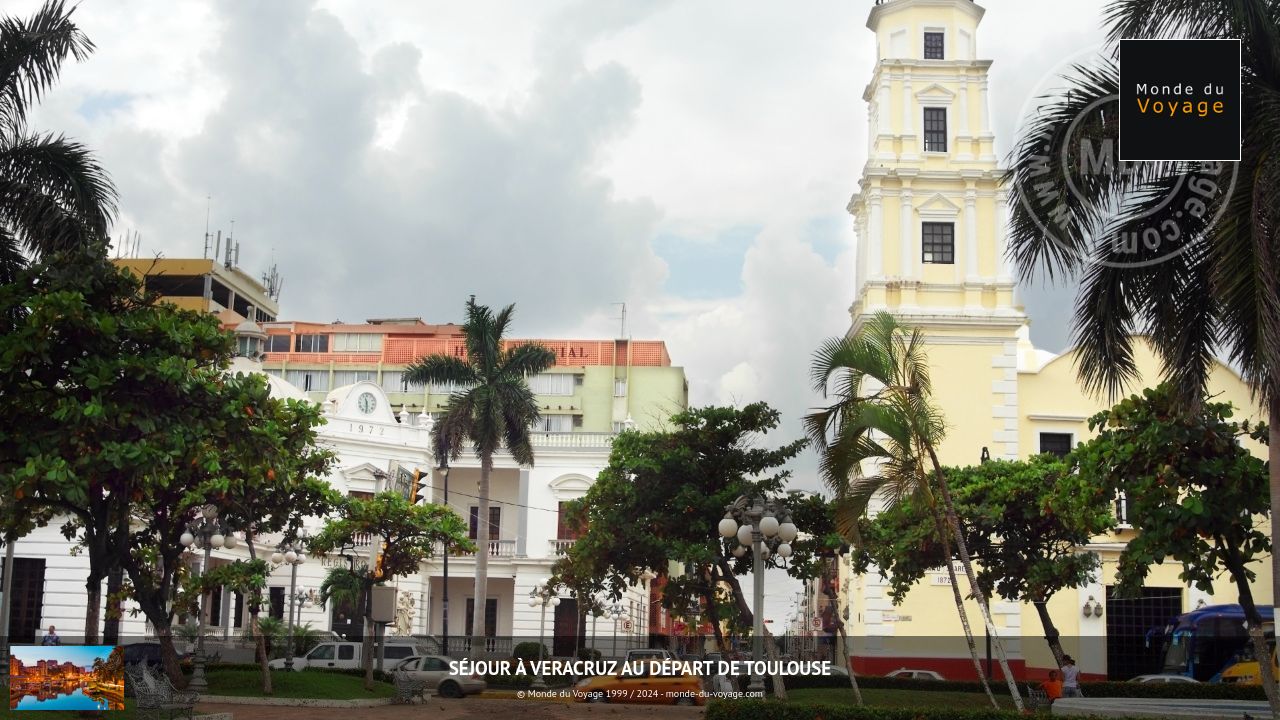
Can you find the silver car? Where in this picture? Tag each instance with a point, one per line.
(434, 669)
(1164, 678)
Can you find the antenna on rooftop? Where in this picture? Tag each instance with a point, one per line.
(208, 201)
(272, 281)
(622, 331)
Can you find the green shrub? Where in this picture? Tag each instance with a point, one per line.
(378, 676)
(528, 651)
(768, 710)
(588, 654)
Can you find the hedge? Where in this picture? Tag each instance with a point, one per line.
(768, 710)
(378, 676)
(1181, 691)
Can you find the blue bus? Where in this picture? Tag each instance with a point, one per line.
(1202, 643)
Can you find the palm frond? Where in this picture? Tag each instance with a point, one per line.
(56, 174)
(440, 369)
(32, 51)
(526, 359)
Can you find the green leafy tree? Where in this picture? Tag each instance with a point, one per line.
(492, 407)
(661, 497)
(271, 479)
(1195, 491)
(407, 536)
(1212, 283)
(96, 376)
(53, 194)
(1024, 523)
(248, 454)
(884, 417)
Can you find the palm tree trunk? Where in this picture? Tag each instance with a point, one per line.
(844, 652)
(366, 646)
(954, 521)
(482, 559)
(964, 614)
(1273, 464)
(945, 538)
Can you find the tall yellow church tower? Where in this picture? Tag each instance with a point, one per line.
(929, 217)
(930, 221)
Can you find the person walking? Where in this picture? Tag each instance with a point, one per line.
(1070, 677)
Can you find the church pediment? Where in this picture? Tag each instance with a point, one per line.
(938, 203)
(935, 94)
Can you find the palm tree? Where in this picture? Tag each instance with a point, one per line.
(883, 416)
(491, 406)
(53, 194)
(344, 587)
(1215, 287)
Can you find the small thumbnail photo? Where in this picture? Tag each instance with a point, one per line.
(66, 677)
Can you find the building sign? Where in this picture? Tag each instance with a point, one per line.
(403, 483)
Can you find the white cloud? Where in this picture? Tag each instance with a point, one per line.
(394, 157)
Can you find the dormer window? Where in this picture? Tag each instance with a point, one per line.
(933, 46)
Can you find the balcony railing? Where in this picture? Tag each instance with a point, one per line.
(560, 546)
(572, 440)
(497, 548)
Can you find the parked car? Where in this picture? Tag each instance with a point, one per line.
(1164, 678)
(649, 654)
(149, 653)
(346, 655)
(652, 684)
(909, 674)
(434, 669)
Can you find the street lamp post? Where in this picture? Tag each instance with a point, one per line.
(444, 599)
(543, 594)
(293, 555)
(207, 533)
(765, 527)
(616, 612)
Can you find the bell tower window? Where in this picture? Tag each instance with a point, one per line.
(939, 243)
(933, 46)
(935, 129)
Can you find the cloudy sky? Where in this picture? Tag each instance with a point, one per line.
(692, 159)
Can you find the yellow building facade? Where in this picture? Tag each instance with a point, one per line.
(929, 216)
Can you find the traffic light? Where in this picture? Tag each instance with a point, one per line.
(421, 490)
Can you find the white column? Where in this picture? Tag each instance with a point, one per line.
(907, 234)
(884, 117)
(986, 115)
(908, 109)
(875, 238)
(971, 236)
(1002, 237)
(962, 122)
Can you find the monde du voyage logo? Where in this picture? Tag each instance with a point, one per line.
(1179, 100)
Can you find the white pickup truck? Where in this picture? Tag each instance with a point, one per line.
(346, 655)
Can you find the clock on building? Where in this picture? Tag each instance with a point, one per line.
(366, 402)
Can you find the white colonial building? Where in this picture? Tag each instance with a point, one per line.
(380, 447)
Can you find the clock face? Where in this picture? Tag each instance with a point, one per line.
(366, 402)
